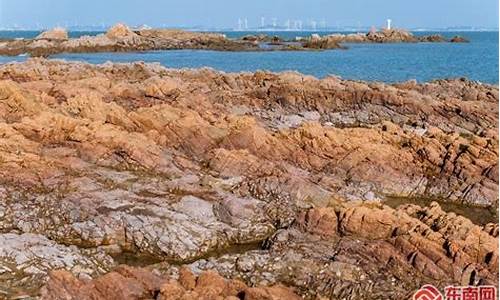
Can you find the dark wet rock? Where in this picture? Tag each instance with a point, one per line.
(26, 259)
(317, 42)
(435, 38)
(459, 39)
(262, 38)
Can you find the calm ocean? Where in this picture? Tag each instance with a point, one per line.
(477, 60)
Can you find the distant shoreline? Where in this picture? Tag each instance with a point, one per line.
(262, 30)
(237, 31)
(122, 38)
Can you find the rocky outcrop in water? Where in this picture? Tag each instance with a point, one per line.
(318, 42)
(120, 38)
(55, 34)
(333, 41)
(459, 39)
(267, 178)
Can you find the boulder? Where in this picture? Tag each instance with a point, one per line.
(120, 31)
(434, 38)
(459, 39)
(56, 34)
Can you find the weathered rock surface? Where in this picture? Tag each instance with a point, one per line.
(54, 34)
(26, 259)
(135, 283)
(268, 178)
(120, 31)
(358, 251)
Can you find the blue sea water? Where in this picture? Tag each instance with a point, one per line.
(477, 60)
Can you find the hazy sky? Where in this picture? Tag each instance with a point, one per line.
(225, 13)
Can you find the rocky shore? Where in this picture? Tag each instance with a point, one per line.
(121, 38)
(240, 186)
(381, 36)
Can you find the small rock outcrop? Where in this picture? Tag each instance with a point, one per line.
(435, 38)
(391, 36)
(120, 31)
(333, 41)
(459, 39)
(318, 42)
(56, 34)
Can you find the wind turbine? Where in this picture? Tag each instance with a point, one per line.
(313, 24)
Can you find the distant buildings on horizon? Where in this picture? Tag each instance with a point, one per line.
(243, 25)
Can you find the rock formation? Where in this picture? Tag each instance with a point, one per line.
(121, 38)
(459, 39)
(120, 31)
(271, 179)
(56, 34)
(391, 36)
(334, 41)
(128, 283)
(318, 42)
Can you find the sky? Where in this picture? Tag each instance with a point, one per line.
(225, 13)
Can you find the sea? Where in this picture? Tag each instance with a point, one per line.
(477, 60)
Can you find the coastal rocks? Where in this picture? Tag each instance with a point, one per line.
(133, 284)
(264, 177)
(450, 153)
(435, 38)
(120, 31)
(26, 259)
(180, 39)
(390, 36)
(367, 251)
(321, 221)
(58, 34)
(263, 38)
(317, 42)
(136, 283)
(380, 36)
(459, 39)
(120, 38)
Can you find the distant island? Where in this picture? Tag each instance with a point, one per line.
(121, 38)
